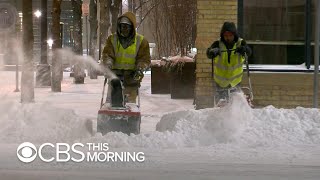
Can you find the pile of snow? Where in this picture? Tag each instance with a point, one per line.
(38, 123)
(176, 59)
(240, 125)
(236, 124)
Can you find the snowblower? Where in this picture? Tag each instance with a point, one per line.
(118, 115)
(228, 92)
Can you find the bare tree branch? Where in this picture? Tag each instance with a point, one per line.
(141, 4)
(147, 13)
(174, 24)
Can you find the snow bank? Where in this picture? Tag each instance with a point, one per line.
(38, 123)
(272, 126)
(236, 124)
(240, 125)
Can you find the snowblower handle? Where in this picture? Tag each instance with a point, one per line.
(228, 50)
(138, 91)
(247, 64)
(103, 89)
(248, 74)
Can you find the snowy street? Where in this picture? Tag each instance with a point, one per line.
(234, 142)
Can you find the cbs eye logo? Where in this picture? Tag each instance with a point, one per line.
(25, 151)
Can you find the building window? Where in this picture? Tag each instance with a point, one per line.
(275, 30)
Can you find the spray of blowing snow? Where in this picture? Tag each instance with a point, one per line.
(85, 62)
(67, 57)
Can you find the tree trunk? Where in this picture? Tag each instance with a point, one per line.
(44, 28)
(77, 34)
(104, 20)
(132, 6)
(56, 61)
(43, 77)
(115, 9)
(27, 79)
(93, 35)
(121, 6)
(93, 28)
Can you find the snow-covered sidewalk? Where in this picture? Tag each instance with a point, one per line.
(235, 142)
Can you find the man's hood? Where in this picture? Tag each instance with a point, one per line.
(131, 17)
(231, 27)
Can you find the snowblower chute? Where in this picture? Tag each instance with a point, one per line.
(117, 115)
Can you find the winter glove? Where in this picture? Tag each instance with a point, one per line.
(215, 51)
(138, 75)
(241, 50)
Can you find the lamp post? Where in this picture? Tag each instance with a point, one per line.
(17, 62)
(316, 56)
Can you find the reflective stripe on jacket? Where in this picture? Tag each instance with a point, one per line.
(126, 58)
(228, 73)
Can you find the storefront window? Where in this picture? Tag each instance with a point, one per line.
(275, 30)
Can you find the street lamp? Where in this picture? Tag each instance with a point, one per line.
(50, 43)
(37, 13)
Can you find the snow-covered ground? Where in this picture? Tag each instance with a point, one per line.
(235, 142)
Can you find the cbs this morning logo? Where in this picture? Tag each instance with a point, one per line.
(77, 152)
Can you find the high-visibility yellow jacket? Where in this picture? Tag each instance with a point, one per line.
(125, 58)
(228, 73)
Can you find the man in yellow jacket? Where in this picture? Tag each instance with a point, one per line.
(228, 55)
(127, 54)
